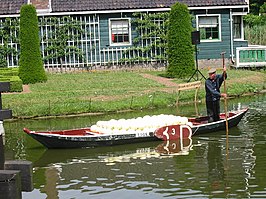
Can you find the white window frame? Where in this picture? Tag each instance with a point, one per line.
(129, 32)
(241, 14)
(219, 27)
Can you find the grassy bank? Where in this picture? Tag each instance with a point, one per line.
(78, 93)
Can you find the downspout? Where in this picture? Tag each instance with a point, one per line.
(231, 37)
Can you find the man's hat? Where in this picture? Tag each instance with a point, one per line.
(212, 70)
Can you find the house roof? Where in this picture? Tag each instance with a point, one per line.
(13, 6)
(91, 5)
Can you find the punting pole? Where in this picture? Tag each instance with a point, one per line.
(225, 106)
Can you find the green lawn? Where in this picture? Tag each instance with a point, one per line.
(75, 93)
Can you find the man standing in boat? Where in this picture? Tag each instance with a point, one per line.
(213, 94)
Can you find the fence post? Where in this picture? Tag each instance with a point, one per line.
(2, 153)
(4, 114)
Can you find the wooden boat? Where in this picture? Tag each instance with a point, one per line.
(84, 137)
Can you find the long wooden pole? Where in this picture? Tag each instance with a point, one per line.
(225, 107)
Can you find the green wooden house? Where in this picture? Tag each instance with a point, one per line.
(112, 36)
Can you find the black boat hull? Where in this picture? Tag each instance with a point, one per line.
(89, 142)
(82, 140)
(219, 125)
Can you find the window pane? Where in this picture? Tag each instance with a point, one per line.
(120, 31)
(237, 27)
(208, 27)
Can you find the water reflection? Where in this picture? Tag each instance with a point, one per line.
(175, 147)
(102, 172)
(143, 170)
(153, 169)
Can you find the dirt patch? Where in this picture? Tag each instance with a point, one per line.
(162, 80)
(26, 89)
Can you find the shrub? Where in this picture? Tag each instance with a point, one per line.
(15, 82)
(9, 71)
(30, 64)
(180, 49)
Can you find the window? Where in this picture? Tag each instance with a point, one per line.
(237, 27)
(209, 27)
(120, 32)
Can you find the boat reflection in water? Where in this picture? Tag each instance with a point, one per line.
(167, 148)
(175, 147)
(116, 153)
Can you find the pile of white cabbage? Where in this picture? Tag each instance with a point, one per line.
(138, 125)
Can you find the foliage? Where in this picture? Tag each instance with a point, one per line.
(256, 34)
(149, 45)
(255, 6)
(9, 71)
(263, 8)
(31, 68)
(180, 50)
(255, 27)
(253, 20)
(257, 14)
(255, 23)
(8, 34)
(11, 75)
(62, 32)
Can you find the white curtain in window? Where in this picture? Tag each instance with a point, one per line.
(208, 22)
(119, 27)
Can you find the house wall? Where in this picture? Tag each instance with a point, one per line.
(209, 53)
(212, 50)
(98, 53)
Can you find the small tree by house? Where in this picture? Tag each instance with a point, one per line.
(180, 49)
(31, 68)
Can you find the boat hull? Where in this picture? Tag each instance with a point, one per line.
(82, 138)
(219, 125)
(89, 142)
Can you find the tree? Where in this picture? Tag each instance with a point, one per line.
(180, 49)
(263, 9)
(255, 6)
(31, 68)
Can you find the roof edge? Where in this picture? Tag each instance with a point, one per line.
(127, 11)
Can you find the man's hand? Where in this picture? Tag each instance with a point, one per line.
(224, 95)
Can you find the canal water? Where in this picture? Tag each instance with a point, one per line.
(203, 167)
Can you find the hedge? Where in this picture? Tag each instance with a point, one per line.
(15, 83)
(11, 75)
(9, 71)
